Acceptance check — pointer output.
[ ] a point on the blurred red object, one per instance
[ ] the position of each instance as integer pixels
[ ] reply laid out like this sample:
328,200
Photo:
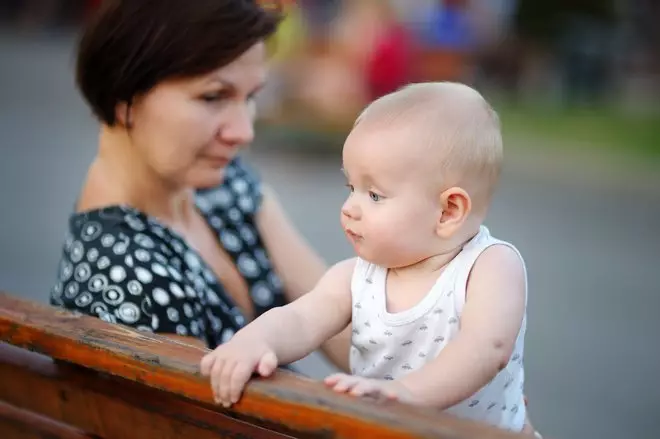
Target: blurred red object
388,67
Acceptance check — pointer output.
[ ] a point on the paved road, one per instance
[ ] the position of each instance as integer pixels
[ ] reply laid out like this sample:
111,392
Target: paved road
591,246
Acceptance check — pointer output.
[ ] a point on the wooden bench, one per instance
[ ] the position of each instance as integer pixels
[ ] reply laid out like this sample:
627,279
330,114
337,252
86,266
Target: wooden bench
63,375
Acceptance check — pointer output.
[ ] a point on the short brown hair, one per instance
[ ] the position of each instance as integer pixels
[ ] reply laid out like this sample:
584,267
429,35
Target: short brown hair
129,46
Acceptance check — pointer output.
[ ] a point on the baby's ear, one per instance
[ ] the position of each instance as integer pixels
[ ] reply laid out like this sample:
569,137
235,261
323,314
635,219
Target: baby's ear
456,206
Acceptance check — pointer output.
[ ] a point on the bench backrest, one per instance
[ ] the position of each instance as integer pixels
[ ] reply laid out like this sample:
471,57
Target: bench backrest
63,375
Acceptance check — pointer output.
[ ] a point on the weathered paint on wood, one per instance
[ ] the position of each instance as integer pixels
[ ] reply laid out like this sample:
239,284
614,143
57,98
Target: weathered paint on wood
18,423
152,385
107,406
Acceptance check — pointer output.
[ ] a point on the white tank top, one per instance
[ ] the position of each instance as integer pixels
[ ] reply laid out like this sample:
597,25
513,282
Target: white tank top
388,346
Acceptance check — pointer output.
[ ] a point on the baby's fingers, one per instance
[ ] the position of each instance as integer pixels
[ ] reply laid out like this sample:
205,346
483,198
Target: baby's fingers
240,377
345,383
206,365
216,375
333,379
365,388
391,395
226,382
267,364
372,389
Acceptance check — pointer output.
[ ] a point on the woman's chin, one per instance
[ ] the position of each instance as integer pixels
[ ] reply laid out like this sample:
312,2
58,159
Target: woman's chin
208,179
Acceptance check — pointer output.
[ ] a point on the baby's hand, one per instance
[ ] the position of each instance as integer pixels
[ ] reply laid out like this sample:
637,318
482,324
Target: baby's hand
231,365
368,387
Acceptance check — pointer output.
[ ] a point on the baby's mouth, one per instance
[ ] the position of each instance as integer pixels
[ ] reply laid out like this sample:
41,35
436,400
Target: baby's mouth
354,236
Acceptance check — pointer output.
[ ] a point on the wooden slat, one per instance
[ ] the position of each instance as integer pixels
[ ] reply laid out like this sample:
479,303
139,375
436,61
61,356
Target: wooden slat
17,423
108,406
285,403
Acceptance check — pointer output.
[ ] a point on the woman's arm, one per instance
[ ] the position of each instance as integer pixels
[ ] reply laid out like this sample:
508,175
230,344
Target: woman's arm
299,266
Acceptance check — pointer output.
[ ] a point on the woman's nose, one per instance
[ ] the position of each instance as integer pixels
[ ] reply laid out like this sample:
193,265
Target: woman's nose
238,128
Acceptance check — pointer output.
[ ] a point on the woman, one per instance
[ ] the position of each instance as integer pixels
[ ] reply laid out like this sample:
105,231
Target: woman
172,232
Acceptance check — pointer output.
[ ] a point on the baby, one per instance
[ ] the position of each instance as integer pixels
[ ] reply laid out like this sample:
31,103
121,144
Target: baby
437,305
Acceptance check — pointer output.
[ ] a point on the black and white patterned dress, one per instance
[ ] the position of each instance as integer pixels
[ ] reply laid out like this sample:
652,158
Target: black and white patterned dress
126,267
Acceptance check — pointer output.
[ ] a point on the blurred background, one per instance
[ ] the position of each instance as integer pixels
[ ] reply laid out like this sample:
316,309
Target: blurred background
576,83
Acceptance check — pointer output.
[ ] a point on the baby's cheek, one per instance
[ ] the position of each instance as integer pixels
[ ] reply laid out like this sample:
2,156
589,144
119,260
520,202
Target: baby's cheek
396,223
390,236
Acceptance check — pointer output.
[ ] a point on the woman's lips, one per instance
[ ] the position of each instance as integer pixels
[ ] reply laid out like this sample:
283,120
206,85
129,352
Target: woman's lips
218,161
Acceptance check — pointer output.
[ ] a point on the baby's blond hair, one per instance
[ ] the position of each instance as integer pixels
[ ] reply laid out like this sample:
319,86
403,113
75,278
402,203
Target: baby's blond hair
457,124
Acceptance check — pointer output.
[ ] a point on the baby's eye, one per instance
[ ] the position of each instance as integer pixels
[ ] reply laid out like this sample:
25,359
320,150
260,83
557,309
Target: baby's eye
374,196
350,187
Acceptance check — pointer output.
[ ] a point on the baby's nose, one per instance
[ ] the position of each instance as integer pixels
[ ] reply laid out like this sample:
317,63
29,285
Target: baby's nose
351,209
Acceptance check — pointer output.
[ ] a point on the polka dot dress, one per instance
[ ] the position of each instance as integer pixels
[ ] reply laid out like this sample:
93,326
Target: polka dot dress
125,267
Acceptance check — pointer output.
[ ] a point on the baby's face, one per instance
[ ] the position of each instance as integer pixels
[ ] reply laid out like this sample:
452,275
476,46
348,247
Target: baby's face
391,212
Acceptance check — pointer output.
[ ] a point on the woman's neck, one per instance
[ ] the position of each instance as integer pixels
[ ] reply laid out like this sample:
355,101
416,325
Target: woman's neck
119,175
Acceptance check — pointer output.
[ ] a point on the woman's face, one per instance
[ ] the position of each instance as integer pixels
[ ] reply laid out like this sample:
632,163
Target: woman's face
187,130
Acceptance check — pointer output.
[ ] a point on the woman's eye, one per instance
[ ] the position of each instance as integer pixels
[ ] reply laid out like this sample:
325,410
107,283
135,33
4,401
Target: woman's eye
374,196
210,98
213,97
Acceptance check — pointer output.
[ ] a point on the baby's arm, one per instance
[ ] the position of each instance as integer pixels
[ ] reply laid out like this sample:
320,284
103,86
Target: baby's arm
282,335
491,320
295,330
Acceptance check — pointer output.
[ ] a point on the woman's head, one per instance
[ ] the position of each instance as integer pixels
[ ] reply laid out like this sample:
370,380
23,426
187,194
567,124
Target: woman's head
179,77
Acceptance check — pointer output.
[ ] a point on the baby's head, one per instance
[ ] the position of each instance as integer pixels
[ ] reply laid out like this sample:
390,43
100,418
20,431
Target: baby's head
422,164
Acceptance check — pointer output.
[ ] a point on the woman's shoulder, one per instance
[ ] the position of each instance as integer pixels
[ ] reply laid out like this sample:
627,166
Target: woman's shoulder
109,246
124,267
112,227
108,228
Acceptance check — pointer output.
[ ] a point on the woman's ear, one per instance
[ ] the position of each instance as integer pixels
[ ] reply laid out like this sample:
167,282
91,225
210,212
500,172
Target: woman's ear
123,114
456,207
